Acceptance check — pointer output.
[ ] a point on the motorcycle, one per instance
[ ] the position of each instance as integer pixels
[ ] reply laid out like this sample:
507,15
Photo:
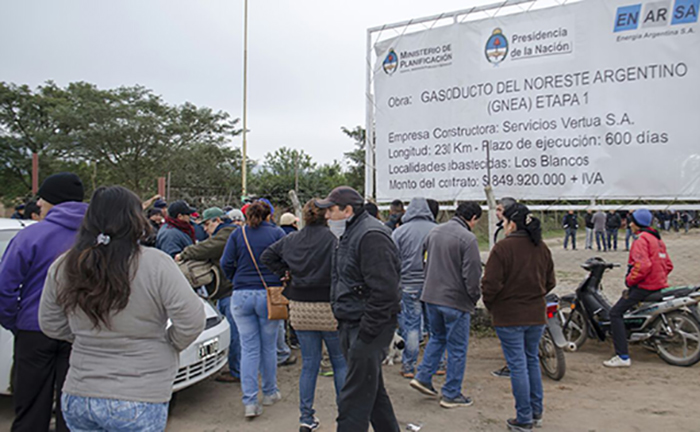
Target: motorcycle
666,322
554,342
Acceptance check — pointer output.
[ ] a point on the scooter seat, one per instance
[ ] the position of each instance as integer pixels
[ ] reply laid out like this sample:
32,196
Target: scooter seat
673,292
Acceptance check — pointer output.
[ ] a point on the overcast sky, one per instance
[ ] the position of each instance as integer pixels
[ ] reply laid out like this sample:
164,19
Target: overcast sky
306,58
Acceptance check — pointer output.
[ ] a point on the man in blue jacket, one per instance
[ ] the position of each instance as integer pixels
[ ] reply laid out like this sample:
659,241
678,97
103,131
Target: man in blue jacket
418,221
41,363
178,232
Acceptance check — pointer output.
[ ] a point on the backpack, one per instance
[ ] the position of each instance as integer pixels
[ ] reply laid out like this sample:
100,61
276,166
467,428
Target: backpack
202,274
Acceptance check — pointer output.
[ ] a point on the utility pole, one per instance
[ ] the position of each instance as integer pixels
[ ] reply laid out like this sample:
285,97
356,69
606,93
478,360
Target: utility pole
244,166
35,173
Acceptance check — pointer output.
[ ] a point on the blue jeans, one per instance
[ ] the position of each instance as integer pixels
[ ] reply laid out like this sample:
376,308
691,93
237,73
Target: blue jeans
629,235
449,329
410,327
258,341
311,353
600,236
520,346
589,238
283,350
83,414
570,233
612,239
234,350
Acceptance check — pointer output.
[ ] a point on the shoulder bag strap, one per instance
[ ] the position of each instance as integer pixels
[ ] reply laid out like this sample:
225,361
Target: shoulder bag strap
252,256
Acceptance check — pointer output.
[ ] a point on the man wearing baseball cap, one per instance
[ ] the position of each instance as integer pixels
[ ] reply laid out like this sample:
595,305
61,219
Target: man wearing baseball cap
161,205
41,363
365,296
648,269
219,227
178,232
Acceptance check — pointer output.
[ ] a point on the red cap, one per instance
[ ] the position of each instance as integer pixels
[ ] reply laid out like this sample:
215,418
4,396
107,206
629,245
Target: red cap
245,208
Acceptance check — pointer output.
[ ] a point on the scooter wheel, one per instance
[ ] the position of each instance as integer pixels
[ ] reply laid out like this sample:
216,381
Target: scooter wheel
576,331
552,357
682,346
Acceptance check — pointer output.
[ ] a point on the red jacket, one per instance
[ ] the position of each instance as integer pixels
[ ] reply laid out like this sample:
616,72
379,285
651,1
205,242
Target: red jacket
649,262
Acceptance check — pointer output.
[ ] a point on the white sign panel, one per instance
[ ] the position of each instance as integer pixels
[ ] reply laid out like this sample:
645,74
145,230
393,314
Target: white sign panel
593,99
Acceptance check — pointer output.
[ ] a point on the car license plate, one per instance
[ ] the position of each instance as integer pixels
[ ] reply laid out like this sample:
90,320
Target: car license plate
209,348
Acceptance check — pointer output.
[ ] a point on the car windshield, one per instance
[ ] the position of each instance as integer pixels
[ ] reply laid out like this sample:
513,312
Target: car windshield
5,237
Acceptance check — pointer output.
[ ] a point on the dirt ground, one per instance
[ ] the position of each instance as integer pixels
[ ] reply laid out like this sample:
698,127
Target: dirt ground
651,396
682,248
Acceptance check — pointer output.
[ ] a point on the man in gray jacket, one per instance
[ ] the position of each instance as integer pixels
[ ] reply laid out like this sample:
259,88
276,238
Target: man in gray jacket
451,290
418,221
599,220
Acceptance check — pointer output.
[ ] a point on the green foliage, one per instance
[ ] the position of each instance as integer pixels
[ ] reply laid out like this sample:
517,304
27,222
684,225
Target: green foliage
126,136
356,158
281,170
130,136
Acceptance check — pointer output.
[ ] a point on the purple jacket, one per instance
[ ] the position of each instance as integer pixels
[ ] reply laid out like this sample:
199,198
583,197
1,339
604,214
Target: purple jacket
27,259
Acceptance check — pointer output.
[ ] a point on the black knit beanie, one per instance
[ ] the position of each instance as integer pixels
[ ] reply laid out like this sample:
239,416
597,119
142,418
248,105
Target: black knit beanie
62,187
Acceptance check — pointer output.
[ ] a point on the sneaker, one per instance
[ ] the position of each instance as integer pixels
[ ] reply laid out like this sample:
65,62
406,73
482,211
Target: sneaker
252,411
269,400
425,388
503,372
309,427
328,373
408,375
226,377
291,360
514,426
537,420
459,401
617,362
441,371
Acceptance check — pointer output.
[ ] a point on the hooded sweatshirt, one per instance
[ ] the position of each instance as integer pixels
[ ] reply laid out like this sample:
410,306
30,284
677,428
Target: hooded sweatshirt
453,266
409,237
26,261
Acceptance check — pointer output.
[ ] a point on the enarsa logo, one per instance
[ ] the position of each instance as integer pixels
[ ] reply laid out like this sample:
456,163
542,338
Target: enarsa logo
656,14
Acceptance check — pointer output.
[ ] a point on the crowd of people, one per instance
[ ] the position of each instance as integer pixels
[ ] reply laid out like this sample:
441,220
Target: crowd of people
603,229
89,289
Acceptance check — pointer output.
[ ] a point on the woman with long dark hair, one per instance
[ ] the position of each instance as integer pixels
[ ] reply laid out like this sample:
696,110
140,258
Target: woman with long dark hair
306,256
518,275
112,298
242,265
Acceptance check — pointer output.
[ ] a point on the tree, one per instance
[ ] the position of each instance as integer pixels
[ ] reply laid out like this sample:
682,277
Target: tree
282,168
207,175
356,158
279,174
127,136
27,126
135,135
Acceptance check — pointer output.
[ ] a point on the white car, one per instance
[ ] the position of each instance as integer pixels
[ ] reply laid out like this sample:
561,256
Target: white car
206,356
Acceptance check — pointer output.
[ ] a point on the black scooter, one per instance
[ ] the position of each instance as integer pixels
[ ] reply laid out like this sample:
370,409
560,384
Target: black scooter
666,322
